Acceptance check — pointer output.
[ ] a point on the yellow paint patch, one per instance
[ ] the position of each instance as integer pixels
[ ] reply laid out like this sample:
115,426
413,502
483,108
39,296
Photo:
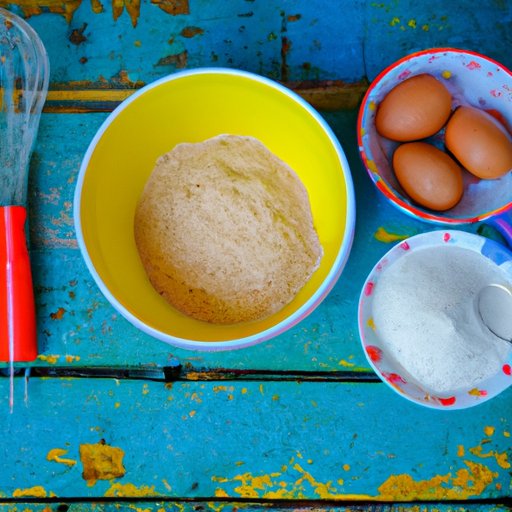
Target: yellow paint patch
394,21
251,485
71,359
145,389
38,491
489,431
55,455
167,485
501,458
296,483
465,484
446,74
385,236
221,493
194,375
129,491
274,486
101,462
58,315
460,450
371,323
49,358
228,389
195,397
372,105
411,23
346,364
173,7
506,434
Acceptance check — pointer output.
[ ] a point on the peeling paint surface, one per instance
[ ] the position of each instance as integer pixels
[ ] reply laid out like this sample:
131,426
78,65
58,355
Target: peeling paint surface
101,462
302,41
56,454
307,444
301,417
382,235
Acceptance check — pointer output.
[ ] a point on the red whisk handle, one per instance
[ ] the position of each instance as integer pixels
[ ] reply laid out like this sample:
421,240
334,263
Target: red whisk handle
17,308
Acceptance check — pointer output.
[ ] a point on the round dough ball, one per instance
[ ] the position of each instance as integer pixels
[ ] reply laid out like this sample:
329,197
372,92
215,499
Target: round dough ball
224,230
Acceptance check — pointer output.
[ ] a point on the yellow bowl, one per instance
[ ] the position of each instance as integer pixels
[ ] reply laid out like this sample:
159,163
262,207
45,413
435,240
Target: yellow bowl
192,106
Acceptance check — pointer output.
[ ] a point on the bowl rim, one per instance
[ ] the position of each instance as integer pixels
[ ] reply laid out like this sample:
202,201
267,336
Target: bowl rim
382,186
435,237
305,309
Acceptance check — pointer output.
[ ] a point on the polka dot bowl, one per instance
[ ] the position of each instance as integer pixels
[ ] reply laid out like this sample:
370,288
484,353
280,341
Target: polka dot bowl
378,350
472,79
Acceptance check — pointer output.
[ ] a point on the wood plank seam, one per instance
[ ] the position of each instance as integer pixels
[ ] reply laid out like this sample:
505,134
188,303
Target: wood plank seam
330,95
177,373
285,503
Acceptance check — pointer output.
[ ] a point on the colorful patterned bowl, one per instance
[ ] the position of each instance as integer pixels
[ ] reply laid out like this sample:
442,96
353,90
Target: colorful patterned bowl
472,79
376,350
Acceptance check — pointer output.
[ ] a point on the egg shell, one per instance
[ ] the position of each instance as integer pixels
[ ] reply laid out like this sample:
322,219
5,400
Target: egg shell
414,109
479,142
429,176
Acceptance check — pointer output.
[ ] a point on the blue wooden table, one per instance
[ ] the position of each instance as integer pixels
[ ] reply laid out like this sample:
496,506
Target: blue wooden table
111,419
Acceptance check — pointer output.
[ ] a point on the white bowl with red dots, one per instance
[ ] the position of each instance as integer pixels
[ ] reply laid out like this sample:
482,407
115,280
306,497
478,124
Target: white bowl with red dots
377,350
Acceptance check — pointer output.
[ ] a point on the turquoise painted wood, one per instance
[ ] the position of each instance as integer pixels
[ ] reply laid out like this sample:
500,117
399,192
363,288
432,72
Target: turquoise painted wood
246,506
299,40
299,421
270,440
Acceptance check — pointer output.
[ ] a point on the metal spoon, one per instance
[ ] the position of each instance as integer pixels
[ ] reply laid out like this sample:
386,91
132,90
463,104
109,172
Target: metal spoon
494,305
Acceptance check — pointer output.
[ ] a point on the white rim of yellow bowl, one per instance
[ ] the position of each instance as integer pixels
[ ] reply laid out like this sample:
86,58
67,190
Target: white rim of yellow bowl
298,315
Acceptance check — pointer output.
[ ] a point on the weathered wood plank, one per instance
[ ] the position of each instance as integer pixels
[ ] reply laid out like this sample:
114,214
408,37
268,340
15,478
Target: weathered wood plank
121,44
258,443
250,440
328,95
245,506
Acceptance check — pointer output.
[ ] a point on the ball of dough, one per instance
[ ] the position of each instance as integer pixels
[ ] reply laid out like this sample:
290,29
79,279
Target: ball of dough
224,230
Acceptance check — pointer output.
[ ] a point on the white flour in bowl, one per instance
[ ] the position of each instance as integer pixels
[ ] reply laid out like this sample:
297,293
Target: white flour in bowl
423,309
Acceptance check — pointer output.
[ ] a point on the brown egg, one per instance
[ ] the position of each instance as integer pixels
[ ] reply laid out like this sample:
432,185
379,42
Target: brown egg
428,175
414,109
479,142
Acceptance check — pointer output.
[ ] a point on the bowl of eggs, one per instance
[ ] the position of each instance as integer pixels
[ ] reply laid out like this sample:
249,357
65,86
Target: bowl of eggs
215,209
434,133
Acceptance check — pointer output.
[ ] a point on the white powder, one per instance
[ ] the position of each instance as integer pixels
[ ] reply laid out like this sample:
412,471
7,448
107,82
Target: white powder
423,311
